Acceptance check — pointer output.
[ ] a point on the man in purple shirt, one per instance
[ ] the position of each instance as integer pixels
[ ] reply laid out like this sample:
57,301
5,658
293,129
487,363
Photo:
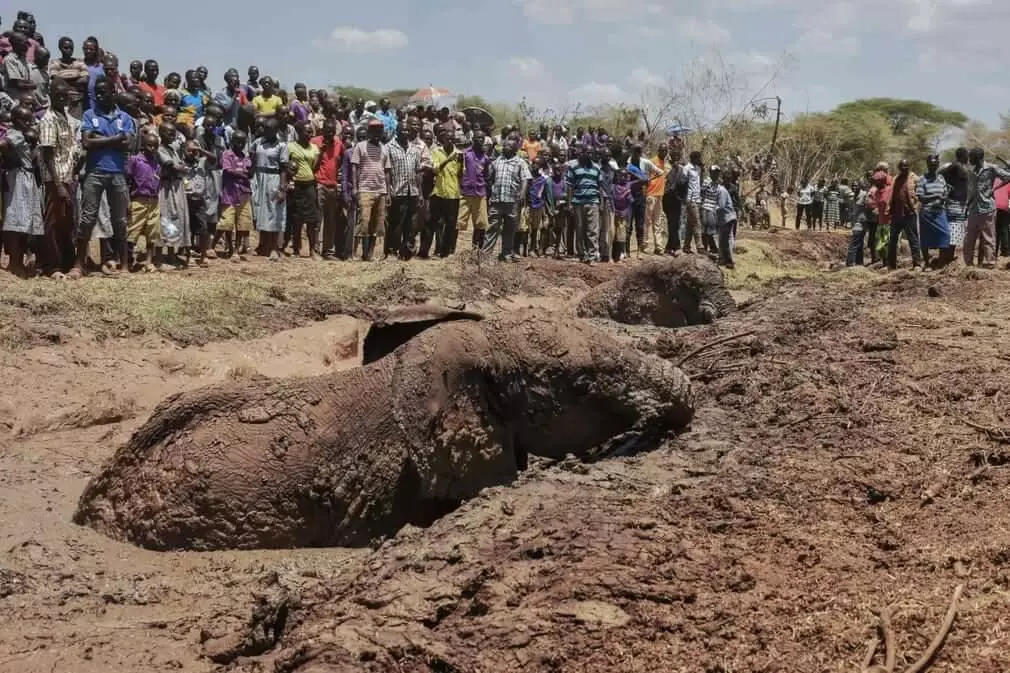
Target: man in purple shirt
473,187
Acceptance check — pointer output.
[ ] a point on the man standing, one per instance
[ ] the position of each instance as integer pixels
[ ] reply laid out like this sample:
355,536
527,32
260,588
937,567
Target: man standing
903,215
73,72
725,216
230,98
655,219
583,182
510,178
390,123
447,162
644,171
408,161
150,82
981,226
106,134
692,179
58,138
252,87
331,152
473,186
371,168
674,196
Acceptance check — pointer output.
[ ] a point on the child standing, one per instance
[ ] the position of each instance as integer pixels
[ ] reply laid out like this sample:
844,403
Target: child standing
143,172
537,203
172,196
22,193
622,213
236,196
197,181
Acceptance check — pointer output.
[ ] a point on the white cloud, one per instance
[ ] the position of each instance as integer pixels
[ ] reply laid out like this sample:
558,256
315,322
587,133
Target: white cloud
527,67
702,31
640,78
351,39
597,93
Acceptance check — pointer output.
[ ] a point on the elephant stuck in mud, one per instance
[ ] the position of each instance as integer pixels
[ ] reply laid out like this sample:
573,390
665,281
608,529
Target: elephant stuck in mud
687,290
440,412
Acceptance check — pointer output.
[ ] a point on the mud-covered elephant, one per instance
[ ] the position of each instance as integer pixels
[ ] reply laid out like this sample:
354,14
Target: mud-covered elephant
343,458
686,290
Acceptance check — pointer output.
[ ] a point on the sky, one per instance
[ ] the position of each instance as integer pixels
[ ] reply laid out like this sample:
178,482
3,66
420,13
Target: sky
559,53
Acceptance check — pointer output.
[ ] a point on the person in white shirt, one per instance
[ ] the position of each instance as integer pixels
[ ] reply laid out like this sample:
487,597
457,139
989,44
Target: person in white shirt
805,203
691,176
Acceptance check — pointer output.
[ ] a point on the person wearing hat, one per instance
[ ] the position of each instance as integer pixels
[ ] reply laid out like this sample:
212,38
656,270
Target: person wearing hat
371,171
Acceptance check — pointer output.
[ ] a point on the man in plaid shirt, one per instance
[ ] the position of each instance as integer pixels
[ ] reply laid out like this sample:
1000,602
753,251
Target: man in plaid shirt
509,177
408,160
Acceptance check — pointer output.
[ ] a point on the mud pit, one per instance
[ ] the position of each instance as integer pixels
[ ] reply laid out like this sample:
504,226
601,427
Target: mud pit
828,473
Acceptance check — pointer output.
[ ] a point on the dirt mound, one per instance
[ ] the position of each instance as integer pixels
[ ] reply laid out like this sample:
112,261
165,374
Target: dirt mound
687,290
478,278
343,458
821,247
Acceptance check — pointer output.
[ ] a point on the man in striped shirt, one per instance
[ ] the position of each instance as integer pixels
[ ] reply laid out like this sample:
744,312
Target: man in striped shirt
583,182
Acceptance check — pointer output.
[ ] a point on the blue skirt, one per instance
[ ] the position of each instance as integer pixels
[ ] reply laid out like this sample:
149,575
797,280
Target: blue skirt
934,230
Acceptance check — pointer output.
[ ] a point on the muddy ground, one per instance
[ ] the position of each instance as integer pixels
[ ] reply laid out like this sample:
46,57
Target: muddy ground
848,454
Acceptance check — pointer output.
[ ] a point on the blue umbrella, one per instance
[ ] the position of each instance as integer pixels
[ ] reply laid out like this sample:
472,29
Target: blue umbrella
678,130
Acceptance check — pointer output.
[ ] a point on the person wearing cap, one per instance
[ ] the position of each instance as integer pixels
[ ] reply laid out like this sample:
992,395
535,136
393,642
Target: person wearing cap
931,190
372,173
904,218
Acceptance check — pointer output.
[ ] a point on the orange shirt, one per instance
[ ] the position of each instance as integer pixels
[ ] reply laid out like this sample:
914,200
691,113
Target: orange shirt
657,185
531,148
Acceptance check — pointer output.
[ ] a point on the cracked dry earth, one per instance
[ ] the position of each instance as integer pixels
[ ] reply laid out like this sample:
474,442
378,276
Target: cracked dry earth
849,453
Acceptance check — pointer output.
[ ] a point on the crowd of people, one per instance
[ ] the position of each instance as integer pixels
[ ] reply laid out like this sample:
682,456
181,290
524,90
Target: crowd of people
947,207
90,152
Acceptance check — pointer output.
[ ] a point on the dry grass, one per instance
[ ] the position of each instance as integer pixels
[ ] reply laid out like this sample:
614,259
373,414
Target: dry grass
194,307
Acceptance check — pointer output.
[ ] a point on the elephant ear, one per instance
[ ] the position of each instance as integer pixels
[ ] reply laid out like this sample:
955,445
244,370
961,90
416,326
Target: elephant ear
451,397
400,325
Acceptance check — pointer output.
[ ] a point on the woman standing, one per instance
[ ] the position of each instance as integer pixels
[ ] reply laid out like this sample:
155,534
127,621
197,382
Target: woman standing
832,205
269,188
804,203
934,230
